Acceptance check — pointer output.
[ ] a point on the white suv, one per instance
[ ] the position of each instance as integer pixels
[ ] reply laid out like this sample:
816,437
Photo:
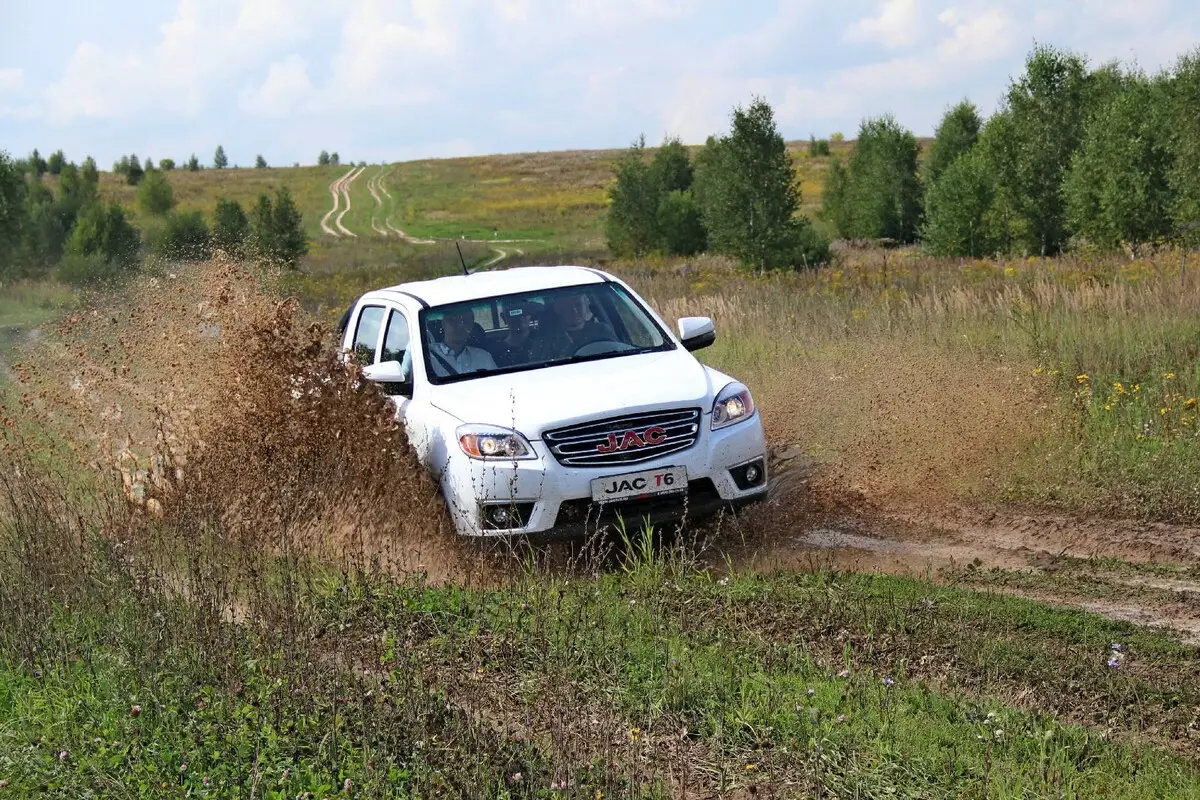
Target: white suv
554,400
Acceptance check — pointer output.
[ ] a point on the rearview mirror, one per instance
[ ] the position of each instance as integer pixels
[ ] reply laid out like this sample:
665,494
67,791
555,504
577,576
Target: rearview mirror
389,375
696,333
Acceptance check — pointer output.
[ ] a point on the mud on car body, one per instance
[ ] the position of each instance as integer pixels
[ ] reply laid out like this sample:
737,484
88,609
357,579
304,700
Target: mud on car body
554,400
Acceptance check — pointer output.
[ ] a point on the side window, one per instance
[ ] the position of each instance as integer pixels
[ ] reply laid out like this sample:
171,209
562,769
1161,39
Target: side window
395,339
366,335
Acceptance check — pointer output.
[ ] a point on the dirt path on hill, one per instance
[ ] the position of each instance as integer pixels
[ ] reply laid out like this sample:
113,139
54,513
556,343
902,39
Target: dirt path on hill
344,188
374,184
335,191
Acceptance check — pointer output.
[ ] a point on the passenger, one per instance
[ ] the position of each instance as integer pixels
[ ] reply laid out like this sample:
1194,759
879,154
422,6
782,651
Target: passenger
515,347
574,312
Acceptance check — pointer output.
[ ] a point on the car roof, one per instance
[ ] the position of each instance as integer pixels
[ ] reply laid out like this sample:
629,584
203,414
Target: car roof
457,288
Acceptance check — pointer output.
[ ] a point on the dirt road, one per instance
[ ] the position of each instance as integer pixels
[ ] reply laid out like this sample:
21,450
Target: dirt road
335,191
1141,572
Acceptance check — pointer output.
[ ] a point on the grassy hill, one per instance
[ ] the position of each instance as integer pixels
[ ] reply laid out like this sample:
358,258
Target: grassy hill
555,199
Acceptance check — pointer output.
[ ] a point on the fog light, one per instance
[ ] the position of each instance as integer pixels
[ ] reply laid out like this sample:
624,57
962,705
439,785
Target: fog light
506,516
747,476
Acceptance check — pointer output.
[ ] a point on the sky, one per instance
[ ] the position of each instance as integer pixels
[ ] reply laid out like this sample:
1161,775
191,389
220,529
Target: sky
393,80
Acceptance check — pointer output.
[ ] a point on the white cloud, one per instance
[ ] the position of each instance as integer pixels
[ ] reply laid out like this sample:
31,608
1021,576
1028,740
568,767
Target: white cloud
283,91
984,36
898,24
12,79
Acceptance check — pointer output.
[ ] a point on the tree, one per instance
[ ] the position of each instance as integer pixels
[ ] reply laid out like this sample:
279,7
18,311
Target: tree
1118,187
262,224
817,147
88,172
260,162
148,164
671,168
37,164
334,159
166,164
1183,98
834,206
183,237
103,230
12,216
291,243
219,159
323,159
955,135
747,193
879,195
193,164
959,207
134,172
54,164
680,224
155,195
631,226
1047,107
230,228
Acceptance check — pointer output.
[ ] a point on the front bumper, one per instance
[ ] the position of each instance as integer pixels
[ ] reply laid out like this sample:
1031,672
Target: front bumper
550,498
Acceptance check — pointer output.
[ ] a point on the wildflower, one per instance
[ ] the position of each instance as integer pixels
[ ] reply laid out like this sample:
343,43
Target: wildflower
887,681
1119,387
62,755
1168,376
135,710
998,733
183,767
811,692
1114,661
1081,378
751,767
204,780
841,717
287,773
634,733
515,777
844,674
347,784
723,582
1137,387
1117,647
558,785
1190,403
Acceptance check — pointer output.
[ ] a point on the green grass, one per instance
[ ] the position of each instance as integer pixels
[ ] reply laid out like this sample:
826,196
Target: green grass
765,682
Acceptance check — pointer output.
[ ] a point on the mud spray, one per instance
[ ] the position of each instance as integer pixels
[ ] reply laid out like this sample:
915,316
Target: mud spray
210,404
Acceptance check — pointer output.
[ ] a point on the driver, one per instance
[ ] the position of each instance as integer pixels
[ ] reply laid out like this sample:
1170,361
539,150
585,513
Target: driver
452,355
574,312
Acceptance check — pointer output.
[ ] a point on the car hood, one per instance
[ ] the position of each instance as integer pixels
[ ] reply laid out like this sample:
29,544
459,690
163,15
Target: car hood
542,399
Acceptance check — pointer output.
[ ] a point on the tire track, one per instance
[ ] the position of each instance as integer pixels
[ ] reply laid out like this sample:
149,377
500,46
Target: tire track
374,185
335,189
345,185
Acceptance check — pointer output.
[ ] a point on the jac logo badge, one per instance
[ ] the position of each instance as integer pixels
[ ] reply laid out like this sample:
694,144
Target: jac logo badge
632,439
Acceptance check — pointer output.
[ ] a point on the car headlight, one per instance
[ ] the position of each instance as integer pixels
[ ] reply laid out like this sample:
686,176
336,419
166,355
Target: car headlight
733,405
488,442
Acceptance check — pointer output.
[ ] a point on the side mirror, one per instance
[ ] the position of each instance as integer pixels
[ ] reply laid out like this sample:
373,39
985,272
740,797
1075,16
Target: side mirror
696,333
389,375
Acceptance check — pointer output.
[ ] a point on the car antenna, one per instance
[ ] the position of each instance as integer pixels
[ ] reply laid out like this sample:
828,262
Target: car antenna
460,258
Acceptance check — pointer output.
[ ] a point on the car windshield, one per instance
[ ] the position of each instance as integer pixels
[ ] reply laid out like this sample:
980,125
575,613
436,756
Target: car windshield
532,330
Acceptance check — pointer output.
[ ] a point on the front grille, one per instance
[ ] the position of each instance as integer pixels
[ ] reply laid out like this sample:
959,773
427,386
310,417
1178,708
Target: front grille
588,444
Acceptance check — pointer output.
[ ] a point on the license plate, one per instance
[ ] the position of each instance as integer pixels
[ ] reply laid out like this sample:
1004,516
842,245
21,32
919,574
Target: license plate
635,485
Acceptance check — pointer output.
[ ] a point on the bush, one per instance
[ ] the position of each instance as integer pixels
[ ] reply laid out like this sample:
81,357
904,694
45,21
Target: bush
104,230
631,226
133,171
817,147
155,195
680,224
182,237
278,229
230,228
166,164
77,269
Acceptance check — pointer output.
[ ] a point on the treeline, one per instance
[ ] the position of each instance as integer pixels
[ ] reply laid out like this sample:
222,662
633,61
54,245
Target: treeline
65,229
738,197
1074,158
